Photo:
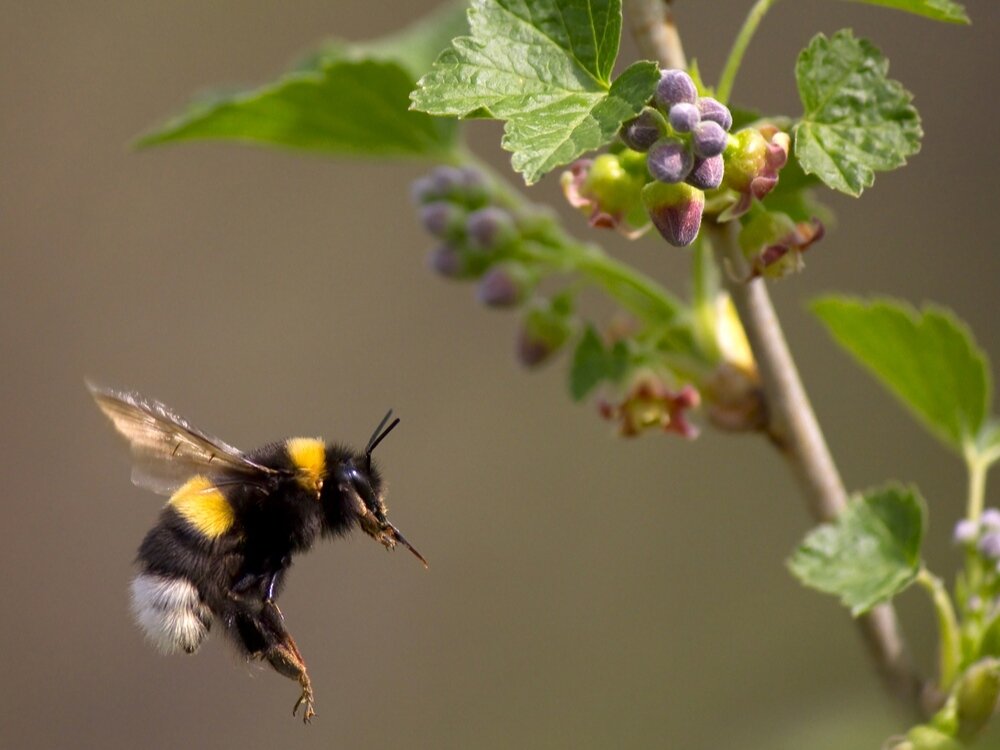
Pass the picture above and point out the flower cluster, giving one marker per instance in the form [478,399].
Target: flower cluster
[683,136]
[983,535]
[485,240]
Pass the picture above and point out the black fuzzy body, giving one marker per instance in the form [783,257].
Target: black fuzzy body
[273,521]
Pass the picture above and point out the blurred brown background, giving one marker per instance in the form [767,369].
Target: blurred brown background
[584,591]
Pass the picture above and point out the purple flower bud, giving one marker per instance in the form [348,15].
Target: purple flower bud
[474,186]
[716,111]
[966,531]
[447,261]
[675,210]
[490,228]
[708,139]
[640,132]
[684,116]
[441,218]
[502,286]
[989,545]
[670,160]
[543,332]
[707,173]
[445,181]
[422,190]
[675,86]
[990,519]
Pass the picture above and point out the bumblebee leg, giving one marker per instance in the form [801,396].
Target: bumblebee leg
[284,656]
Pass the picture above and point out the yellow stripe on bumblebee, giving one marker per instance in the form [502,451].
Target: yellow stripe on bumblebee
[203,506]
[309,457]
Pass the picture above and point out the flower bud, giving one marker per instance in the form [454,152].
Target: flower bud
[607,189]
[716,111]
[670,160]
[706,174]
[474,187]
[503,286]
[442,218]
[966,531]
[447,261]
[490,228]
[675,210]
[990,519]
[675,86]
[753,158]
[708,139]
[924,737]
[989,545]
[544,330]
[684,116]
[976,697]
[774,244]
[641,132]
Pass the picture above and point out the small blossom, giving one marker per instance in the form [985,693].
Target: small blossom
[675,86]
[753,159]
[708,139]
[447,261]
[684,116]
[503,286]
[441,218]
[490,228]
[648,404]
[716,111]
[545,328]
[670,160]
[675,210]
[706,174]
[641,132]
[607,189]
[989,545]
[774,244]
[990,519]
[966,531]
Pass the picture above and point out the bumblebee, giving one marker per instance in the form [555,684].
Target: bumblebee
[219,553]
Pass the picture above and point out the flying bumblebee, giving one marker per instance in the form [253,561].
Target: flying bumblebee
[226,537]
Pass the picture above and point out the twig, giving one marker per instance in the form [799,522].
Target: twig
[655,32]
[793,428]
[792,424]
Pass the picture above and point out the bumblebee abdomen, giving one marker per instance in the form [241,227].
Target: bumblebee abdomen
[171,612]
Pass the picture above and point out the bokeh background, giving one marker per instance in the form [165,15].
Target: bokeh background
[584,591]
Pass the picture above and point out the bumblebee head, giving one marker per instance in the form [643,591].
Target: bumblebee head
[359,488]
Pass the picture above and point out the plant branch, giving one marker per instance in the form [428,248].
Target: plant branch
[951,649]
[791,421]
[794,429]
[977,486]
[654,30]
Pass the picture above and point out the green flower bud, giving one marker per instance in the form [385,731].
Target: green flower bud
[924,737]
[544,330]
[774,244]
[976,697]
[608,189]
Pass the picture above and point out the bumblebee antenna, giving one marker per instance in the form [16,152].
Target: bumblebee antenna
[378,436]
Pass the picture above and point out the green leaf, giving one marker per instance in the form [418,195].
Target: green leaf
[545,68]
[356,107]
[593,364]
[937,10]
[928,359]
[856,121]
[872,551]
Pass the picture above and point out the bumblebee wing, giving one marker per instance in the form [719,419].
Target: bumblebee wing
[166,449]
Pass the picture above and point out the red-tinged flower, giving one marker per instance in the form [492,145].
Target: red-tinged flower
[774,244]
[675,210]
[753,158]
[607,190]
[650,404]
